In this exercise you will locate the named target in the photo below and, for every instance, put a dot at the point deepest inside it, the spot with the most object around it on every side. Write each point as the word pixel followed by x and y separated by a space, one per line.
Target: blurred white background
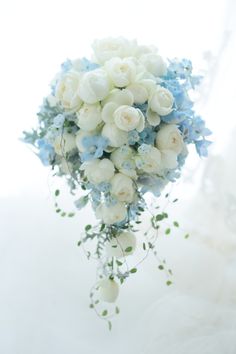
pixel 44 277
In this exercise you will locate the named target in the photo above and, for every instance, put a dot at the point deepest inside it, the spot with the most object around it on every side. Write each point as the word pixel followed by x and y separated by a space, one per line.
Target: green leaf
pixel 79 243
pixel 168 283
pixel 104 313
pixel 63 214
pixel 119 263
pixel 175 200
pixel 144 246
pixel 58 210
pixel 167 232
pixel 88 227
pixel 70 215
pixel 161 267
pixel 91 306
pixel 176 224
pixel 57 192
pixel 109 325
pixel 117 310
pixel 133 270
pixel 186 236
pixel 159 217
pixel 128 249
pixel 102 227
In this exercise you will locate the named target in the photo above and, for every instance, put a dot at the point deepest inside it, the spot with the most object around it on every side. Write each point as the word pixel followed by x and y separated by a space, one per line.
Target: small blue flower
pixel 46 152
pixel 147 136
pixel 66 66
pixel 94 145
pixel 87 65
pixel 202 146
pixel 133 137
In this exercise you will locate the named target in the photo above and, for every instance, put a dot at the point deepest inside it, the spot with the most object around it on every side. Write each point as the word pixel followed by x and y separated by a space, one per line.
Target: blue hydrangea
pixel 152 183
pixel 87 65
pixel 133 137
pixel 46 152
pixel 94 145
pixel 202 147
pixel 147 136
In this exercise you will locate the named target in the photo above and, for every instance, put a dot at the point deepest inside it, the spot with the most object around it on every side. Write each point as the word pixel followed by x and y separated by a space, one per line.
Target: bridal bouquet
pixel 116 127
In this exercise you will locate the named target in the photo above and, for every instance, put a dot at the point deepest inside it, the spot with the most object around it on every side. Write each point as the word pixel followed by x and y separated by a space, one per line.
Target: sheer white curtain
pixel 45 279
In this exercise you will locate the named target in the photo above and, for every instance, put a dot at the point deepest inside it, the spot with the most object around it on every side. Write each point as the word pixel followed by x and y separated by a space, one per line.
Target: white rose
pixel 109 48
pixel 139 92
pixel 98 171
pixel 170 138
pixel 108 290
pixel 153 64
pixel 161 101
pixel 64 143
pixel 118 245
pixel 79 139
pixel 123 159
pixel 116 136
pixel 94 86
pixel 121 71
pixel 89 116
pixel 120 97
pixel 153 118
pixel 169 159
pixel 67 91
pixel 111 214
pixel 149 159
pixel 128 118
pixel 122 188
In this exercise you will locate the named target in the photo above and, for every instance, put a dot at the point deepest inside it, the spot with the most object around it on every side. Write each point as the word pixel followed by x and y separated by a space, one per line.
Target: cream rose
pixel 122 188
pixel 170 138
pixel 161 101
pixel 111 214
pixel 64 143
pixel 148 159
pixel 67 91
pixel 154 64
pixel 98 171
pixel 116 136
pixel 128 118
pixel 89 116
pixel 122 72
pixel 123 159
pixel 122 245
pixel 109 48
pixel 94 86
pixel 169 159
pixel 108 290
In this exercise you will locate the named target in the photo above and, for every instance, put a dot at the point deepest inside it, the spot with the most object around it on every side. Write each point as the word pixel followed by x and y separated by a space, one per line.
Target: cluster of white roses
pixel 106 102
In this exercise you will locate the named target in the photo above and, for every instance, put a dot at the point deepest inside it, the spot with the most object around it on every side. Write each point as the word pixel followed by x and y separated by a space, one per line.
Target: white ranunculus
pixel 94 86
pixel 116 136
pixel 111 214
pixel 98 171
pixel 123 159
pixel 108 290
pixel 154 64
pixel 79 139
pixel 153 118
pixel 122 72
pixel 169 159
pixel 139 92
pixel 118 245
pixel 148 159
pixel 122 188
pixel 128 118
pixel 108 48
pixel 67 91
pixel 89 116
pixel 170 138
pixel 120 97
pixel 161 101
pixel 64 143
